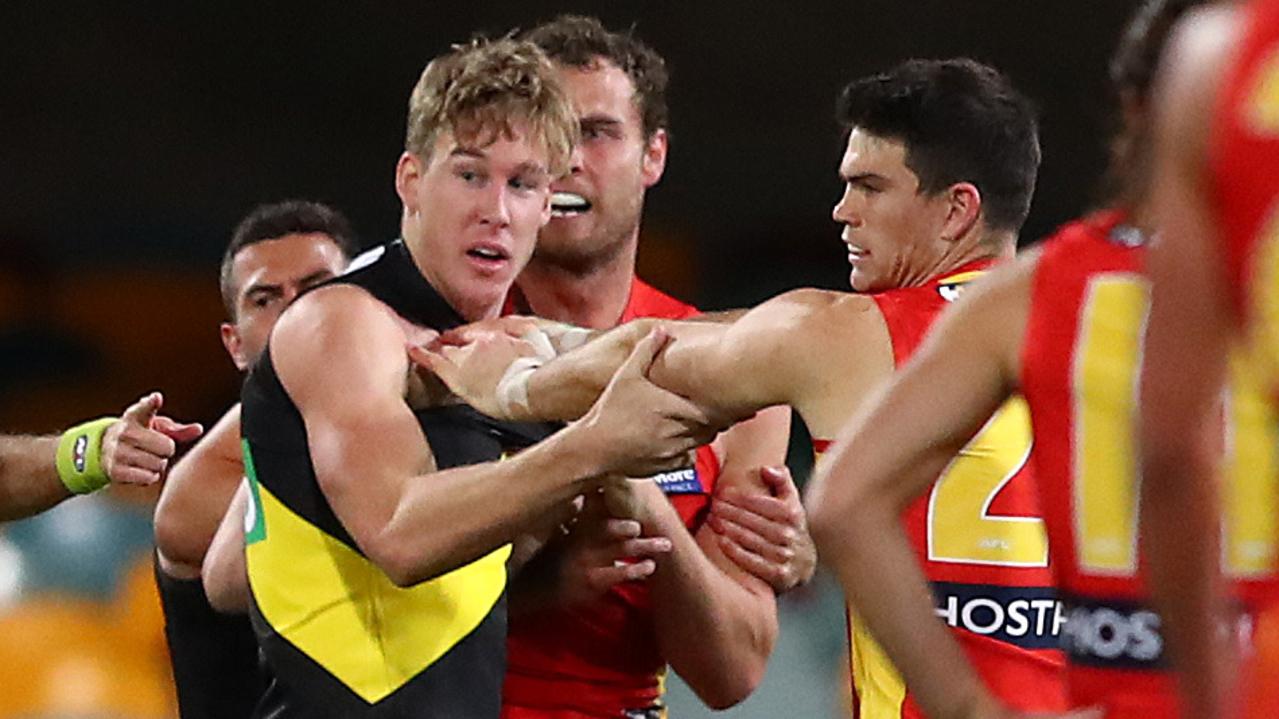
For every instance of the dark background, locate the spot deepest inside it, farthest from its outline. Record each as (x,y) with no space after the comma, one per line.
(134,136)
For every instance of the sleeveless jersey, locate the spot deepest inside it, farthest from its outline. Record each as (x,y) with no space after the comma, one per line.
(340,639)
(601,659)
(1243,184)
(1081,361)
(981,543)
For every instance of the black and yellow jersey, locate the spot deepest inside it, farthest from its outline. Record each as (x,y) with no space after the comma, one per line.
(340,639)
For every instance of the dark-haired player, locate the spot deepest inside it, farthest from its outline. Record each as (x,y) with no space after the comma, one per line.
(1061,327)
(276,252)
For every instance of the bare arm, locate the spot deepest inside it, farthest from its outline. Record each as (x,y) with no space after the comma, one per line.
(699,592)
(889,456)
(134,449)
(225,574)
(195,497)
(777,353)
(376,470)
(1180,388)
(764,533)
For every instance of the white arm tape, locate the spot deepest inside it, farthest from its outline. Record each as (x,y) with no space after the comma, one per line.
(512,389)
(541,343)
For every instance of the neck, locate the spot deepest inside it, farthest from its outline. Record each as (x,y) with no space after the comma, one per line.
(594,297)
(991,246)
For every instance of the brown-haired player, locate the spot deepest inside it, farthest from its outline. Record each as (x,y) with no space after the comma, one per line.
(599,647)
(377,535)
(276,252)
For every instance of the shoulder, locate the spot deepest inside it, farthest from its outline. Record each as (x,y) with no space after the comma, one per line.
(336,313)
(812,319)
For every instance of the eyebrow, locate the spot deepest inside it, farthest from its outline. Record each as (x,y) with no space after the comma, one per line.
(597,120)
(466,152)
(861,177)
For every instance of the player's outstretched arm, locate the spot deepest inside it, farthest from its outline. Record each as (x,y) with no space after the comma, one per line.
(894,451)
(368,450)
(771,355)
(37,473)
(1187,339)
(195,497)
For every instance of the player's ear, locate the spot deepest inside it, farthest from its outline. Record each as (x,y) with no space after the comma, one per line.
(963,209)
(653,164)
(408,173)
(234,345)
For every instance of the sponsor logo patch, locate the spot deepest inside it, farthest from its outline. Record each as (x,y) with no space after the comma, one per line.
(1113,634)
(680,481)
(1028,617)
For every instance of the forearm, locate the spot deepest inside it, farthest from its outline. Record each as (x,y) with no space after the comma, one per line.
(869,553)
(733,618)
(449,518)
(29,480)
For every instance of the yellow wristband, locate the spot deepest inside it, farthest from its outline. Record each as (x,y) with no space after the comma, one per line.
(80,456)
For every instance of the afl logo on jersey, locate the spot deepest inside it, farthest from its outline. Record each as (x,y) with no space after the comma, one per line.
(680,481)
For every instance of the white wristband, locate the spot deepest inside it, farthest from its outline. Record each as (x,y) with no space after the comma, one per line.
(512,389)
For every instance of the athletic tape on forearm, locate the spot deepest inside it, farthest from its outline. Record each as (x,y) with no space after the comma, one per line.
(80,456)
(512,389)
(541,343)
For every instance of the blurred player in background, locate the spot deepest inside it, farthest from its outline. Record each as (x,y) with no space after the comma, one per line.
(1214,290)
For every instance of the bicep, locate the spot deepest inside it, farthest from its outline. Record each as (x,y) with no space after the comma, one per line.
(346,376)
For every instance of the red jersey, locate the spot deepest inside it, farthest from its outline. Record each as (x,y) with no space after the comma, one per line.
(981,543)
(1243,181)
(1081,359)
(602,659)
(1243,184)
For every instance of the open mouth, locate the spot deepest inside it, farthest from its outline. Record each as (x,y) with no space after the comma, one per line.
(488,253)
(568,204)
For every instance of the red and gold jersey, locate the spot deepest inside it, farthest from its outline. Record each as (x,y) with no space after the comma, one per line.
(1244,183)
(1081,361)
(602,659)
(1080,364)
(981,542)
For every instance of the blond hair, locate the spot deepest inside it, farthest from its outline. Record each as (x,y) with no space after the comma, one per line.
(483,88)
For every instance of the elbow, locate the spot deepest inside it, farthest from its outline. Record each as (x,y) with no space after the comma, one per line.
(225,594)
(172,538)
(399,565)
(728,689)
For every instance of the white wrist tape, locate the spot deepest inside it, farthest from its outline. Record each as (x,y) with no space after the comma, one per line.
(512,389)
(541,343)
(573,337)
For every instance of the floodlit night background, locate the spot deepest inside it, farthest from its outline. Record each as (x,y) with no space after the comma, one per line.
(133,136)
